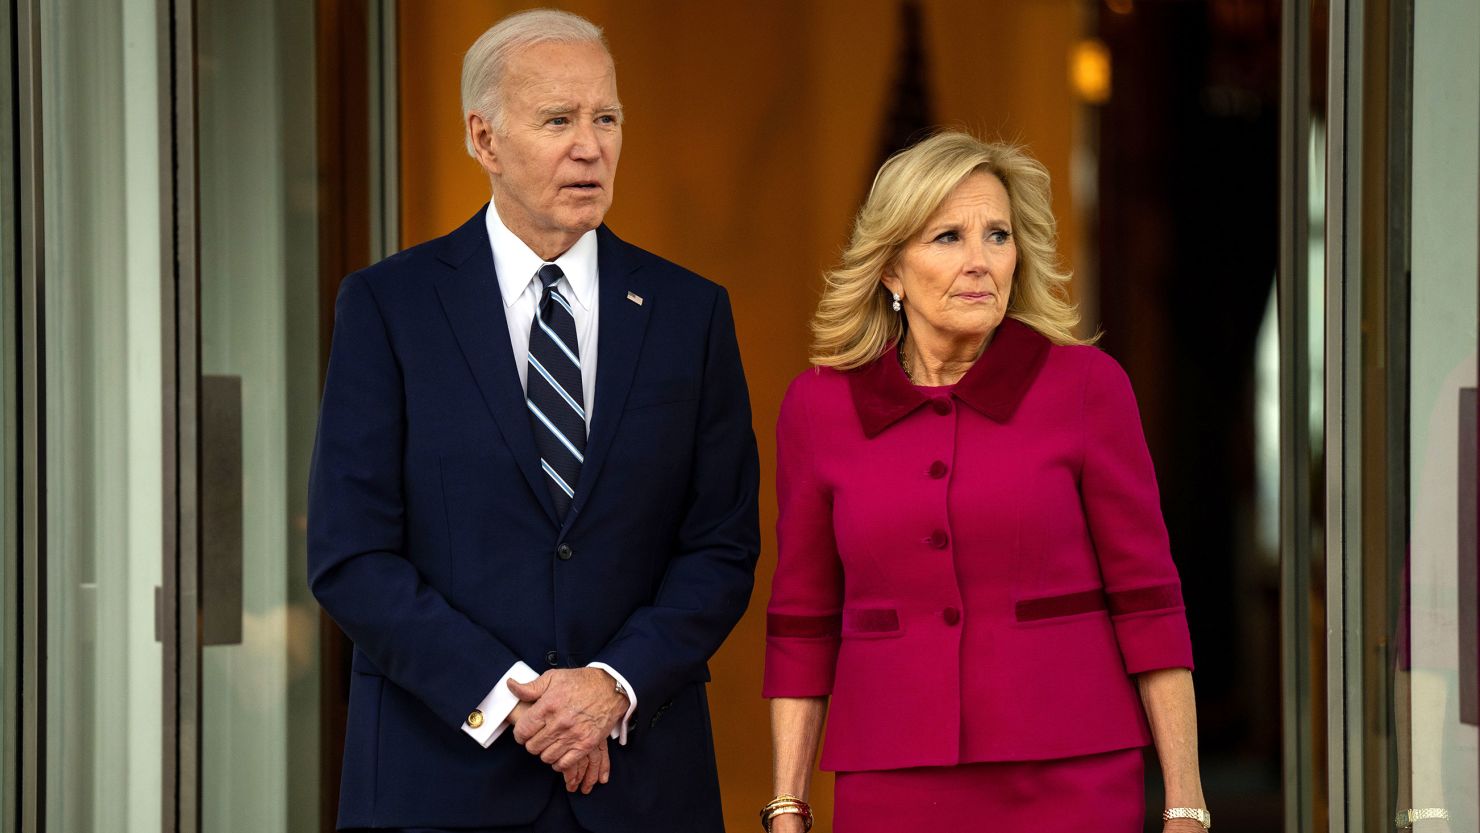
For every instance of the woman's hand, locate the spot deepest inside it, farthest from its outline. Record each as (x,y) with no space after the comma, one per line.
(796,732)
(1171,709)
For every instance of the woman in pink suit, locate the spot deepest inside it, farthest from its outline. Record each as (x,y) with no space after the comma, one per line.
(974,584)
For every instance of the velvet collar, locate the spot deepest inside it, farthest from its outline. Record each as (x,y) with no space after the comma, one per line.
(994,385)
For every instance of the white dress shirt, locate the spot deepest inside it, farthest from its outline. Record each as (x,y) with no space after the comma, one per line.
(517,267)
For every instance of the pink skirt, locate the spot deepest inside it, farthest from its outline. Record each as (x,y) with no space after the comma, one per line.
(1103,793)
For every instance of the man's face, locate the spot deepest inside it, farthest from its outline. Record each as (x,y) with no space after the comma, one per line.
(554,160)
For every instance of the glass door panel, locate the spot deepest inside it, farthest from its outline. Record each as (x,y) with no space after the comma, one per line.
(1435,680)
(103,272)
(259,395)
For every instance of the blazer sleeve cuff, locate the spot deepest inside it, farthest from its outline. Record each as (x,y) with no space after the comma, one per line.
(800,666)
(1153,640)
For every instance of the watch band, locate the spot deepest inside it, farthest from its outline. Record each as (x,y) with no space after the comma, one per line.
(1197,814)
(1406,818)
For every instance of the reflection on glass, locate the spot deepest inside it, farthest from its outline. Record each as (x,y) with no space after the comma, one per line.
(1267,432)
(259,307)
(1266,377)
(1438,761)
(1315,312)
(103,415)
(1316,323)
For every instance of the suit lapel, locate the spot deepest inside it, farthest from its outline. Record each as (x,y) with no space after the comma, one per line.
(619,341)
(470,297)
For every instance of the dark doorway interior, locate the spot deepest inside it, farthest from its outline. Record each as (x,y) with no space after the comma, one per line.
(1188,241)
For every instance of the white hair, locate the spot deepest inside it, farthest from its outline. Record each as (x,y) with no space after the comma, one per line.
(486,62)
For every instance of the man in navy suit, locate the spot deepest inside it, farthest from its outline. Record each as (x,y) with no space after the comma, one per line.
(533,498)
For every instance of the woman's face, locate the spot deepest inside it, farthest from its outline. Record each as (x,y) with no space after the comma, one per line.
(955,274)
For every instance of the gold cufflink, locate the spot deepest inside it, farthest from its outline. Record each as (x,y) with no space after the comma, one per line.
(475,719)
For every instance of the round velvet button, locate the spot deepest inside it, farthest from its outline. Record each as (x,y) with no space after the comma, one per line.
(951,615)
(939,539)
(938,469)
(942,406)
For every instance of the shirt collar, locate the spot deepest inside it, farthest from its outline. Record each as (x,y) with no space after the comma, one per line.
(999,380)
(516,264)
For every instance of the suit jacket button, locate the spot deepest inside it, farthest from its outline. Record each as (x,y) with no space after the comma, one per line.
(564,552)
(942,406)
(951,615)
(939,539)
(938,470)
(552,658)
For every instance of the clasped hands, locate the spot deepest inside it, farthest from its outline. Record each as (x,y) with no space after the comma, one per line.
(565,717)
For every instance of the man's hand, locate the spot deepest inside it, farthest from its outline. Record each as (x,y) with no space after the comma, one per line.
(593,770)
(520,709)
(569,715)
(597,768)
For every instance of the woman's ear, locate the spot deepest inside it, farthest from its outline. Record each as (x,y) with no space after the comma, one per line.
(892,282)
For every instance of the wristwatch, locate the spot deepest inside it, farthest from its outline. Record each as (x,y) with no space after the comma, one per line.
(1197,814)
(1408,817)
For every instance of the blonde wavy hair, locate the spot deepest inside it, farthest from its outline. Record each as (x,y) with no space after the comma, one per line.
(854,321)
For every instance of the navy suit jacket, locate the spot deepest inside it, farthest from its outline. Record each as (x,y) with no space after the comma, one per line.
(434,543)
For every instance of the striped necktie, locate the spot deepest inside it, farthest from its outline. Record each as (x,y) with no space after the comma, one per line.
(553,391)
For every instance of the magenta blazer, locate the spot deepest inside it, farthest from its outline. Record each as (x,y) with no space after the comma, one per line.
(972,573)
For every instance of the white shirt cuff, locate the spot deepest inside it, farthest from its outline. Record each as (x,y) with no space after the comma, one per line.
(619,734)
(498,704)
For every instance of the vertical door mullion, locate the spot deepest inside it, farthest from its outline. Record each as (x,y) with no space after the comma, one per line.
(183,400)
(1335,361)
(1397,185)
(1344,697)
(1295,442)
(32,319)
(169,598)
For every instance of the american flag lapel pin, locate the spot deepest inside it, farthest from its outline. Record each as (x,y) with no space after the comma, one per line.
(634,298)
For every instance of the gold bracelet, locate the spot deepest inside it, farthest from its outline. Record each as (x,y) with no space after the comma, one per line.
(790,809)
(782,798)
(786,804)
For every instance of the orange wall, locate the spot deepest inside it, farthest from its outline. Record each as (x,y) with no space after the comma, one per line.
(752,133)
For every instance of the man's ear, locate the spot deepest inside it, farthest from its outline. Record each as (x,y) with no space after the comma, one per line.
(485,145)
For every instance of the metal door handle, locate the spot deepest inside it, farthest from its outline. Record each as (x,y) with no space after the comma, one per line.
(221,510)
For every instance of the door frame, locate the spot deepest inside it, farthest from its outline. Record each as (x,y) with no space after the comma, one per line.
(356,131)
